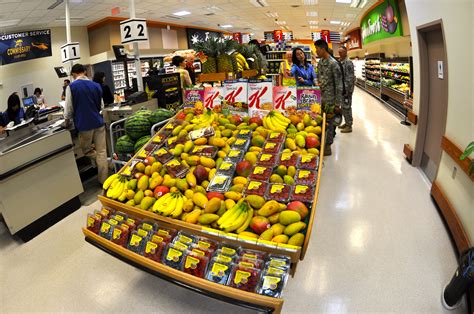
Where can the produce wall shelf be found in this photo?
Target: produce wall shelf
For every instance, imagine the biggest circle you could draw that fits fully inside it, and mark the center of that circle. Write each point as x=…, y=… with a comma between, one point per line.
x=231, y=295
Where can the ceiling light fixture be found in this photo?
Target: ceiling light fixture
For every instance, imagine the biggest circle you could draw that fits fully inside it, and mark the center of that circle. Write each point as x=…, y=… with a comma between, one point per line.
x=7, y=23
x=312, y=13
x=310, y=2
x=226, y=26
x=358, y=3
x=335, y=22
x=344, y=1
x=313, y=27
x=55, y=4
x=272, y=14
x=281, y=22
x=313, y=22
x=181, y=13
x=259, y=3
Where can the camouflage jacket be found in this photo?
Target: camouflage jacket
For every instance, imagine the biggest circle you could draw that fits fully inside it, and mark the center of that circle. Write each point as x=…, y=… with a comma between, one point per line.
x=330, y=82
x=349, y=77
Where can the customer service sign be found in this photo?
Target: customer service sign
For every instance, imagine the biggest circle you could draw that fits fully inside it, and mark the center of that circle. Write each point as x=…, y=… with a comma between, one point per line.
x=381, y=22
x=22, y=46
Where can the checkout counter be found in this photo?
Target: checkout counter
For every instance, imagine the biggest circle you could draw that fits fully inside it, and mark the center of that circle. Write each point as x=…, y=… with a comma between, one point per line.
x=39, y=179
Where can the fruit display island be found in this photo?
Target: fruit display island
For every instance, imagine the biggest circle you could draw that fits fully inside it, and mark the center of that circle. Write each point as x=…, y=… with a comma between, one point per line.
x=222, y=204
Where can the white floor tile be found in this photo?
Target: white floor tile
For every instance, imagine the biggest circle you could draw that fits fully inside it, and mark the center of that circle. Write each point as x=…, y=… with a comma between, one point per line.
x=378, y=245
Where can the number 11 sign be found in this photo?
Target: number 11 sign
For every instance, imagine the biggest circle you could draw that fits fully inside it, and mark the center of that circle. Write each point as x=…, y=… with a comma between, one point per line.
x=70, y=52
x=133, y=30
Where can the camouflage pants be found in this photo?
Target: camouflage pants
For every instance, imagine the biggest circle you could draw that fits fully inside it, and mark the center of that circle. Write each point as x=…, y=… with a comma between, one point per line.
x=330, y=129
x=347, y=110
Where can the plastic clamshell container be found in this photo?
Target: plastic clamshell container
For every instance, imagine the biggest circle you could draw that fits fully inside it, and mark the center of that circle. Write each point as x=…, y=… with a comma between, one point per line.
x=205, y=150
x=303, y=193
x=241, y=144
x=279, y=192
x=245, y=133
x=154, y=251
x=255, y=254
x=271, y=148
x=195, y=264
x=219, y=270
x=261, y=173
x=136, y=243
x=276, y=137
x=304, y=176
x=174, y=254
x=185, y=238
x=272, y=284
x=250, y=262
x=279, y=261
x=228, y=250
x=220, y=183
x=227, y=167
x=244, y=278
x=235, y=155
x=204, y=132
x=308, y=162
x=288, y=159
x=162, y=155
x=267, y=159
x=176, y=169
x=256, y=188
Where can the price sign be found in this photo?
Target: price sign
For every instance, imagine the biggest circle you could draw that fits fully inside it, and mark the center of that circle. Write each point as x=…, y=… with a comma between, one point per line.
x=133, y=30
x=70, y=52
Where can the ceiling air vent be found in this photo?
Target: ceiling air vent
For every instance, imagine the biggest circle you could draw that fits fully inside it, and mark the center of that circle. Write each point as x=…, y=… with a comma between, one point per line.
x=209, y=14
x=259, y=3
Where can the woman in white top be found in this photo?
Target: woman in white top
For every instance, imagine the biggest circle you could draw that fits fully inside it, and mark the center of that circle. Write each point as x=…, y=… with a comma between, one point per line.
x=40, y=97
x=180, y=64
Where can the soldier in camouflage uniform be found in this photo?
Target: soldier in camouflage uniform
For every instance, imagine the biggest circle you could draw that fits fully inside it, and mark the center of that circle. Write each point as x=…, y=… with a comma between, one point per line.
x=330, y=82
x=349, y=81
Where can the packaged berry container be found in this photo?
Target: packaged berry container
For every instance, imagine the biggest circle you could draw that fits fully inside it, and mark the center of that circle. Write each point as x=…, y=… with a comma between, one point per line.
x=303, y=193
x=266, y=159
x=256, y=188
x=176, y=169
x=173, y=141
x=308, y=162
x=149, y=226
x=279, y=192
x=250, y=262
x=271, y=148
x=195, y=264
x=276, y=137
x=206, y=243
x=159, y=139
x=119, y=216
x=235, y=155
x=106, y=228
x=174, y=254
x=204, y=132
x=278, y=261
x=244, y=134
x=261, y=173
x=154, y=251
x=120, y=234
x=228, y=250
x=167, y=232
x=247, y=253
x=244, y=278
x=93, y=222
x=205, y=150
x=272, y=285
x=308, y=177
x=241, y=144
x=136, y=243
x=145, y=233
x=161, y=238
x=163, y=156
x=151, y=148
x=219, y=270
x=288, y=159
x=185, y=238
x=227, y=168
x=220, y=183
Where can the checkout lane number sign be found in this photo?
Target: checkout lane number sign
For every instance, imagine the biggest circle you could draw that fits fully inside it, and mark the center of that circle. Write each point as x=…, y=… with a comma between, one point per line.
x=70, y=52
x=133, y=30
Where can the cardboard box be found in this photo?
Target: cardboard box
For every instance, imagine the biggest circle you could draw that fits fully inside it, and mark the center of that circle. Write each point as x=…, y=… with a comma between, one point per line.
x=284, y=99
x=308, y=99
x=235, y=96
x=213, y=97
x=193, y=96
x=260, y=97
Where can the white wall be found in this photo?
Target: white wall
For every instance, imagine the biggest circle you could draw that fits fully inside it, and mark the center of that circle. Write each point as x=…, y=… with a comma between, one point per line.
x=457, y=18
x=40, y=72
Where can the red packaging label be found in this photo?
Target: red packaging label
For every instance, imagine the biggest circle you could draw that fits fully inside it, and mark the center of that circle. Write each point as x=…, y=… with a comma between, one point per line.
x=284, y=99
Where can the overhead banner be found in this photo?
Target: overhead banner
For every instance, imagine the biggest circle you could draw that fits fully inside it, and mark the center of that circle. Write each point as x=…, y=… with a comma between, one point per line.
x=22, y=46
x=353, y=40
x=198, y=35
x=381, y=22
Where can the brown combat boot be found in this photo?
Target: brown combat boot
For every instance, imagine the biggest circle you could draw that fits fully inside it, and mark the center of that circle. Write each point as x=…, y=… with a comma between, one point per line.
x=347, y=129
x=342, y=126
x=327, y=151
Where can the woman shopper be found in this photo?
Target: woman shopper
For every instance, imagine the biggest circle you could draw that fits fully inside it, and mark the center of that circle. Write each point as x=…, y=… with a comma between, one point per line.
x=107, y=97
x=180, y=65
x=286, y=79
x=302, y=70
x=40, y=100
x=14, y=110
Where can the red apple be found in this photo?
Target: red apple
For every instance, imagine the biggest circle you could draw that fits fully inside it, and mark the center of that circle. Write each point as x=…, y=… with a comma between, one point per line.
x=160, y=191
x=243, y=168
x=235, y=119
x=211, y=195
x=201, y=174
x=256, y=120
x=259, y=224
x=181, y=115
x=312, y=142
x=298, y=207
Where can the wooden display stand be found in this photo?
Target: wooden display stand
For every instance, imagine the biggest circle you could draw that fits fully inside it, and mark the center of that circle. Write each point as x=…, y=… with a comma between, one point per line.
x=231, y=295
x=212, y=77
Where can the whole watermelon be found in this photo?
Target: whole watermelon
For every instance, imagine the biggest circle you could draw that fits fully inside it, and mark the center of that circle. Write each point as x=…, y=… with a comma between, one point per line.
x=125, y=145
x=160, y=115
x=137, y=126
x=144, y=113
x=142, y=141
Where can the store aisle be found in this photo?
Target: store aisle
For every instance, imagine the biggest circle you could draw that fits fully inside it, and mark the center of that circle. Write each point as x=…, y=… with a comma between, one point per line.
x=378, y=245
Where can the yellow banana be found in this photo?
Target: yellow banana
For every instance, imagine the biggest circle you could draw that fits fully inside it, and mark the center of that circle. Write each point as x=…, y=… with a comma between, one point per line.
x=179, y=207
x=231, y=219
x=237, y=223
x=230, y=212
x=168, y=207
x=247, y=220
x=278, y=123
x=270, y=124
x=109, y=181
x=265, y=125
x=118, y=190
x=281, y=117
x=158, y=204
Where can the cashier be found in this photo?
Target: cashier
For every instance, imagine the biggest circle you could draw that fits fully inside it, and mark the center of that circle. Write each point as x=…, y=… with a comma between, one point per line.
x=14, y=110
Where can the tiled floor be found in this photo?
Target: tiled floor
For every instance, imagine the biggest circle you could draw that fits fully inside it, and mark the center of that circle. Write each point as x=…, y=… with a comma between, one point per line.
x=378, y=245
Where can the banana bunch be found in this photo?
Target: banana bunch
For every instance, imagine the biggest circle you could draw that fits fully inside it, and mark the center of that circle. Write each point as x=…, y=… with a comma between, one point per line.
x=171, y=204
x=275, y=121
x=204, y=119
x=241, y=62
x=116, y=186
x=237, y=218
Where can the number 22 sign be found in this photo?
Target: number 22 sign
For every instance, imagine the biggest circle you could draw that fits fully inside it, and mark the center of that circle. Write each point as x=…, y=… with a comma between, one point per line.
x=70, y=52
x=133, y=30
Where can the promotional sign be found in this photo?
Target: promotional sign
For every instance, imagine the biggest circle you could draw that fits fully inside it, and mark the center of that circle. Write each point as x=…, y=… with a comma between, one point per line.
x=381, y=22
x=198, y=35
x=213, y=97
x=133, y=30
x=194, y=97
x=287, y=35
x=284, y=99
x=268, y=36
x=22, y=46
x=353, y=40
x=308, y=99
x=235, y=96
x=237, y=37
x=260, y=97
x=277, y=35
x=326, y=35
x=70, y=52
x=246, y=38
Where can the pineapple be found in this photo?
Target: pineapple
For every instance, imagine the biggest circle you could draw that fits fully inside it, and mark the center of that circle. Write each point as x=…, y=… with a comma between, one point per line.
x=209, y=48
x=224, y=60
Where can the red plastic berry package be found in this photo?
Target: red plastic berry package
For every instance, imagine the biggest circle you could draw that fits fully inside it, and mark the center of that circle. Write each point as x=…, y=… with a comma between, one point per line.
x=244, y=278
x=154, y=251
x=195, y=264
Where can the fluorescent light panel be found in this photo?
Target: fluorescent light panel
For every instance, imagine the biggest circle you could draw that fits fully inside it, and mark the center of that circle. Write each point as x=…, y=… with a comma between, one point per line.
x=226, y=26
x=259, y=3
x=313, y=22
x=310, y=2
x=181, y=13
x=7, y=23
x=312, y=13
x=335, y=22
x=281, y=22
x=343, y=1
x=272, y=14
x=313, y=27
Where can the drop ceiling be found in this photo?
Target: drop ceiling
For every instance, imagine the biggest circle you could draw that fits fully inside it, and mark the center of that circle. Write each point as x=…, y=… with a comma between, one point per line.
x=243, y=15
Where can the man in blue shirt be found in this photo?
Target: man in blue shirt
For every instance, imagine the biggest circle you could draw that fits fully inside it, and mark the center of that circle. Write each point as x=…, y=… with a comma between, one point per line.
x=83, y=106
